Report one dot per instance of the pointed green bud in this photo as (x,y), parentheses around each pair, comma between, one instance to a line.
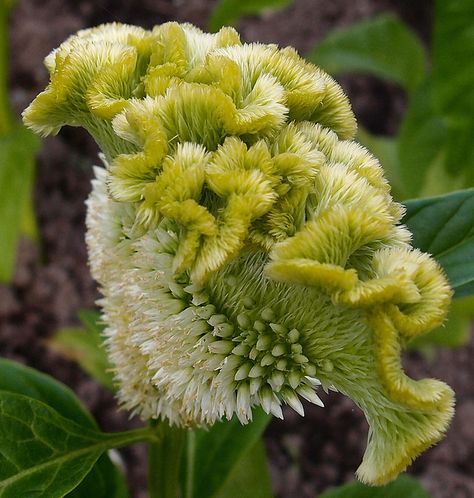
(264,342)
(267,360)
(256,371)
(243,321)
(224,330)
(241,350)
(278,350)
(243,372)
(215,320)
(221,347)
(294,378)
(267,315)
(293,336)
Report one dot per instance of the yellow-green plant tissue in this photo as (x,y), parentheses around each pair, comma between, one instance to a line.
(247,249)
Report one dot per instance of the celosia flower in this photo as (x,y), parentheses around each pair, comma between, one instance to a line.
(247,249)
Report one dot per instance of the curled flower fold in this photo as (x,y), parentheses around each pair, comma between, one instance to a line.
(248,250)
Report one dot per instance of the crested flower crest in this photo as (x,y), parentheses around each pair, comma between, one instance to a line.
(248,250)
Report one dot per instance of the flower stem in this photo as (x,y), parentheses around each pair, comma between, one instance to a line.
(164,461)
(121,439)
(190,453)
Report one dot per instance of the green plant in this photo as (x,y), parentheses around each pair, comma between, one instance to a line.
(431,154)
(248,250)
(18,147)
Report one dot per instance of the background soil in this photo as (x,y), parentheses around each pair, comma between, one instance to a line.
(52,281)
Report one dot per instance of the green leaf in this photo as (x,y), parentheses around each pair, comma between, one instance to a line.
(214,454)
(455,332)
(16,378)
(250,477)
(85,346)
(460,148)
(104,480)
(91,320)
(383,46)
(17,158)
(28,223)
(453,64)
(438,181)
(444,227)
(453,79)
(227,12)
(45,455)
(421,141)
(405,486)
(42,454)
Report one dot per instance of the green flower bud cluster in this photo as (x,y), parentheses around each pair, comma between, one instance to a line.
(247,249)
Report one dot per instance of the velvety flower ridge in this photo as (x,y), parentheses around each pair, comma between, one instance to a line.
(247,249)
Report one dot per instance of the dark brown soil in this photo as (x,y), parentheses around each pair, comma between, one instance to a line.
(52,281)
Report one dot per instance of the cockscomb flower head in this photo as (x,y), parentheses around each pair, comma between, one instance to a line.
(247,249)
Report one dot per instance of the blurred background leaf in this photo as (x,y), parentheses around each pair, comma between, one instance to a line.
(18,149)
(85,346)
(453,46)
(227,12)
(404,486)
(453,80)
(421,139)
(383,46)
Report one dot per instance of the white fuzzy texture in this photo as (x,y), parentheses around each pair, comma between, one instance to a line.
(169,362)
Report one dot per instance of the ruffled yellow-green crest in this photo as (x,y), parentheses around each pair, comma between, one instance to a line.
(247,249)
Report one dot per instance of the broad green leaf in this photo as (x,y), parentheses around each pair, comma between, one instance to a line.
(383,46)
(104,480)
(444,227)
(45,455)
(403,487)
(227,12)
(421,140)
(16,378)
(250,477)
(42,454)
(214,454)
(85,346)
(453,79)
(17,153)
(455,332)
